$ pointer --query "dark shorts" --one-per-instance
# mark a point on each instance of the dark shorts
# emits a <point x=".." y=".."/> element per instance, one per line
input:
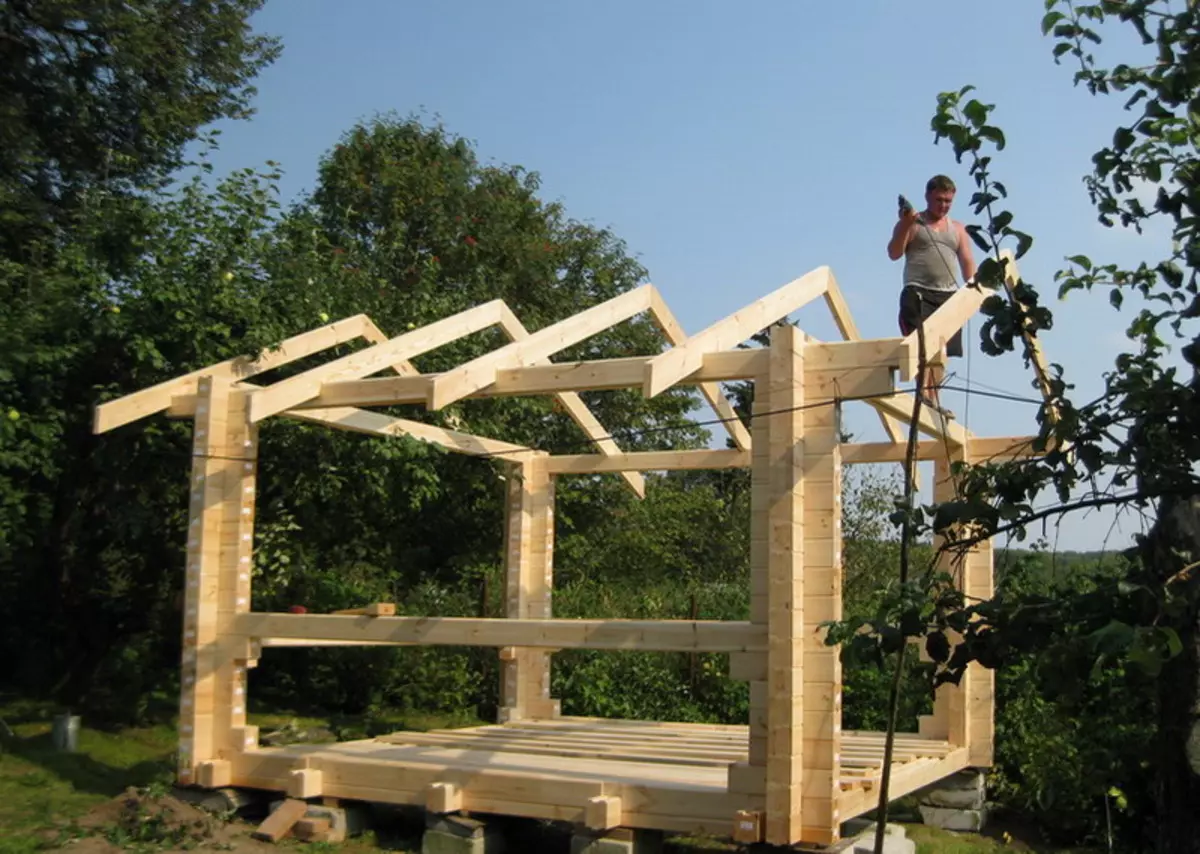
<point x="917" y="304"/>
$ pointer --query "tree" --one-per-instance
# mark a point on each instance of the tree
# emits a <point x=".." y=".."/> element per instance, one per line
<point x="106" y="97"/>
<point x="1136" y="446"/>
<point x="98" y="103"/>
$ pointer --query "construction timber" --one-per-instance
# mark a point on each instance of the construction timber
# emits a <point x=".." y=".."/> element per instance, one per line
<point x="787" y="774"/>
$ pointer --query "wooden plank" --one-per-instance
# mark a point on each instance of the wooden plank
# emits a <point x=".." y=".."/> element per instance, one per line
<point x="930" y="422"/>
<point x="594" y="375"/>
<point x="156" y="398"/>
<point x="648" y="461"/>
<point x="668" y="368"/>
<point x="287" y="393"/>
<point x="712" y="392"/>
<point x="950" y="317"/>
<point x="574" y="406"/>
<point x="840" y="310"/>
<point x="662" y="635"/>
<point x="481" y="372"/>
<point x="378" y="424"/>
<point x="279" y="823"/>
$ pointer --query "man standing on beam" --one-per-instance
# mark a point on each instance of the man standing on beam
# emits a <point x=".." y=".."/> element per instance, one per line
<point x="931" y="245"/>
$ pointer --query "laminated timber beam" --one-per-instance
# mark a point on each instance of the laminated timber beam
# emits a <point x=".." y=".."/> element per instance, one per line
<point x="675" y="336"/>
<point x="649" y="635"/>
<point x="591" y="375"/>
<point x="479" y="373"/>
<point x="991" y="449"/>
<point x="844" y="321"/>
<point x="668" y="368"/>
<point x="576" y="408"/>
<point x="287" y="393"/>
<point x="157" y="398"/>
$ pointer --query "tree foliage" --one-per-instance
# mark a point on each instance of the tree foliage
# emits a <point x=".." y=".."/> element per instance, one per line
<point x="1134" y="447"/>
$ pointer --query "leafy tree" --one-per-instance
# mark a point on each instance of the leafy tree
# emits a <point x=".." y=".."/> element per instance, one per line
<point x="106" y="97"/>
<point x="98" y="103"/>
<point x="1134" y="446"/>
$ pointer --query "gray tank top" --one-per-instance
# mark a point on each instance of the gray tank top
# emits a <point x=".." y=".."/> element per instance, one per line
<point x="931" y="259"/>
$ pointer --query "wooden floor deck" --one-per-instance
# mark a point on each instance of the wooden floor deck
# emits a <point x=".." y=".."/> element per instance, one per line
<point x="669" y="776"/>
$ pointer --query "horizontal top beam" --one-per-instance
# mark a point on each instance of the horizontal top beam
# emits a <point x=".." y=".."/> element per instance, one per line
<point x="656" y="635"/>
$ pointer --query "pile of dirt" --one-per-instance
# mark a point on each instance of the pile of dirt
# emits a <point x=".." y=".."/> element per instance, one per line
<point x="147" y="820"/>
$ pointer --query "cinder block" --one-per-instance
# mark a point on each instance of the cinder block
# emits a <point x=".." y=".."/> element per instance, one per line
<point x="951" y="819"/>
<point x="453" y="834"/>
<point x="622" y="840"/>
<point x="965" y="790"/>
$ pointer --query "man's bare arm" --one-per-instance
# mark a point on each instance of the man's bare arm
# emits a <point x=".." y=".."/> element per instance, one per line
<point x="901" y="234"/>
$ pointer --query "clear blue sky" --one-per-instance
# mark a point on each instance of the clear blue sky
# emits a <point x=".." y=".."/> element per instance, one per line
<point x="733" y="147"/>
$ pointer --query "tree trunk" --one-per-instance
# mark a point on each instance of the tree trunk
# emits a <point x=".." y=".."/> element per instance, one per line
<point x="1177" y="791"/>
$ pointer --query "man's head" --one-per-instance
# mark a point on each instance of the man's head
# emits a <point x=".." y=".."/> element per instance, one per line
<point x="939" y="196"/>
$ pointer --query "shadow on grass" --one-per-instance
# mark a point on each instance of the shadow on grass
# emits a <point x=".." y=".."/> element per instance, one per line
<point x="85" y="772"/>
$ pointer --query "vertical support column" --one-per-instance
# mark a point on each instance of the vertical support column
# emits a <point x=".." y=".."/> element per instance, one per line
<point x="212" y="719"/>
<point x="955" y="717"/>
<point x="749" y="779"/>
<point x="529" y="549"/>
<point x="822" y="601"/>
<point x="979" y="583"/>
<point x="785" y="586"/>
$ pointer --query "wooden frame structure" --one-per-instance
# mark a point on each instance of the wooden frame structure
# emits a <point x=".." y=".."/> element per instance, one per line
<point x="788" y="774"/>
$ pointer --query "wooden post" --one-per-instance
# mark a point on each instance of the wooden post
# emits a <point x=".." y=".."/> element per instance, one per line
<point x="963" y="713"/>
<point x="797" y="488"/>
<point x="212" y="719"/>
<point x="529" y="549"/>
<point x="750" y="779"/>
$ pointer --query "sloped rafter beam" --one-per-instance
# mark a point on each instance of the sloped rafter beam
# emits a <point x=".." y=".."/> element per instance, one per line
<point x="675" y="336"/>
<point x="378" y="424"/>
<point x="150" y="401"/>
<point x="282" y="395"/>
<point x="940" y="326"/>
<point x="576" y="408"/>
<point x="844" y="320"/>
<point x="665" y="370"/>
<point x="479" y="373"/>
<point x="1041" y="371"/>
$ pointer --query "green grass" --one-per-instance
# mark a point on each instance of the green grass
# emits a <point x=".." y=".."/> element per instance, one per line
<point x="42" y="790"/>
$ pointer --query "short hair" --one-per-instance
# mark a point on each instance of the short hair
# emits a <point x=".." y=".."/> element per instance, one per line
<point x="940" y="183"/>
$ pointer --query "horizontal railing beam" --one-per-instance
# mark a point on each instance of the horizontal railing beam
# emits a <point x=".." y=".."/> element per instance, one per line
<point x="649" y="635"/>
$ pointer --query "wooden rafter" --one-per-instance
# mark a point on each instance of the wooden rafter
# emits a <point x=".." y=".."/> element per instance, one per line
<point x="575" y="407"/>
<point x="844" y="320"/>
<point x="481" y="372"/>
<point x="287" y="393"/>
<point x="712" y="392"/>
<point x="378" y="424"/>
<point x="670" y="367"/>
<point x="594" y="375"/>
<point x="157" y="398"/>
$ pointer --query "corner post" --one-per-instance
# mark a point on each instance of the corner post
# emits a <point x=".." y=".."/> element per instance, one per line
<point x="528" y="558"/>
<point x="212" y="704"/>
<point x="803" y="554"/>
